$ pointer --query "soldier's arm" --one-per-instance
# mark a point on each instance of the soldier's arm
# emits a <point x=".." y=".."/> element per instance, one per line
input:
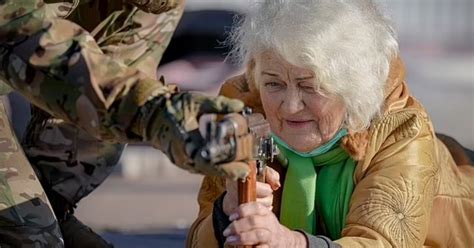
<point x="59" y="67"/>
<point x="138" y="38"/>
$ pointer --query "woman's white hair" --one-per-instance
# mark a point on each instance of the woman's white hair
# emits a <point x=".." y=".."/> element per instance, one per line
<point x="347" y="43"/>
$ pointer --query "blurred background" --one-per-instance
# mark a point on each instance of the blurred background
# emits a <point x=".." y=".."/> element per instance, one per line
<point x="147" y="202"/>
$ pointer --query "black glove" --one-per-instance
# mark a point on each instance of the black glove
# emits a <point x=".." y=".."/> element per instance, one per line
<point x="174" y="129"/>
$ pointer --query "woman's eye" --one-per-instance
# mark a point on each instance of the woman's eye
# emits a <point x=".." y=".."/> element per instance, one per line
<point x="273" y="85"/>
<point x="308" y="88"/>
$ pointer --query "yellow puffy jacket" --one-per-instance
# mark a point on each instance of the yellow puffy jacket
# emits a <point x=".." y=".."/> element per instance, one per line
<point x="409" y="191"/>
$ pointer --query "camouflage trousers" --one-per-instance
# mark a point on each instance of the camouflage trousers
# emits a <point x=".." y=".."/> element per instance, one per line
<point x="68" y="161"/>
<point x="26" y="216"/>
<point x="55" y="164"/>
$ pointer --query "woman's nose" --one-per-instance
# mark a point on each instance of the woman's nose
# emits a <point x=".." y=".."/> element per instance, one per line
<point x="292" y="102"/>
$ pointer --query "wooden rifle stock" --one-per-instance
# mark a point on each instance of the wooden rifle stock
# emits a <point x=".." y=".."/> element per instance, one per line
<point x="247" y="189"/>
<point x="250" y="139"/>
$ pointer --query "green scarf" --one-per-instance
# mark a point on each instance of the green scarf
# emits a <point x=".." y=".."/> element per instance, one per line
<point x="317" y="184"/>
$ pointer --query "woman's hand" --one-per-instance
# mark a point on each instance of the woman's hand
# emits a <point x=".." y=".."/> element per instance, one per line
<point x="255" y="224"/>
<point x="264" y="192"/>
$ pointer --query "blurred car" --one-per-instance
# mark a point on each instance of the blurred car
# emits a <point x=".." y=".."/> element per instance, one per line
<point x="195" y="58"/>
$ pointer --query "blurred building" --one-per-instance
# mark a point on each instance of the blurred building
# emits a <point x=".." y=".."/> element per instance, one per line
<point x="441" y="21"/>
<point x="437" y="44"/>
<point x="446" y="22"/>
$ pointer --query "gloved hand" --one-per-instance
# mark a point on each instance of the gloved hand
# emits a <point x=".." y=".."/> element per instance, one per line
<point x="174" y="130"/>
<point x="155" y="6"/>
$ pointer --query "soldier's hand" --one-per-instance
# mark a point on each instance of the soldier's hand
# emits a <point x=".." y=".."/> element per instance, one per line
<point x="175" y="131"/>
<point x="155" y="6"/>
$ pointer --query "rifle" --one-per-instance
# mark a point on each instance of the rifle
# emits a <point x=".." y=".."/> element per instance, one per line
<point x="242" y="137"/>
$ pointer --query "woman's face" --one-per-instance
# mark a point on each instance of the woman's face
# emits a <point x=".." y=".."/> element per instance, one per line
<point x="302" y="115"/>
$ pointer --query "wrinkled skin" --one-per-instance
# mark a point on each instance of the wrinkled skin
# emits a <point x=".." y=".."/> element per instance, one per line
<point x="304" y="116"/>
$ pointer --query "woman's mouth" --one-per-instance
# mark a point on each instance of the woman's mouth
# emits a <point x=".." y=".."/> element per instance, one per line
<point x="298" y="123"/>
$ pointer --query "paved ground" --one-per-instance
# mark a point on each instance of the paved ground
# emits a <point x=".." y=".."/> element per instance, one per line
<point x="142" y="205"/>
<point x="143" y="213"/>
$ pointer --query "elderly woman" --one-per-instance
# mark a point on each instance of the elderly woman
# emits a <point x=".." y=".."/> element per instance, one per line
<point x="360" y="165"/>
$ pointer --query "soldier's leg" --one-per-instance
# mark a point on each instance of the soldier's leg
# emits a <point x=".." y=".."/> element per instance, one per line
<point x="26" y="217"/>
<point x="70" y="165"/>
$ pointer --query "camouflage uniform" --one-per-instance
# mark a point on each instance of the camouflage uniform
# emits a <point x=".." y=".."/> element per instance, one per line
<point x="91" y="65"/>
<point x="26" y="218"/>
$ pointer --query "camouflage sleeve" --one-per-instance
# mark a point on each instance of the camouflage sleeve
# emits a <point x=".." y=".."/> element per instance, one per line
<point x="60" y="67"/>
<point x="136" y="38"/>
